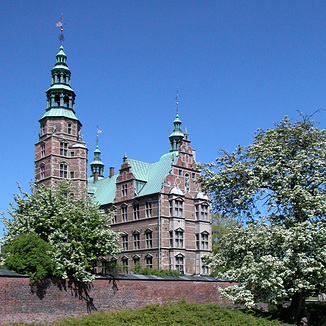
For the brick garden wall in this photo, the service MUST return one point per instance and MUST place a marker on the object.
(53, 299)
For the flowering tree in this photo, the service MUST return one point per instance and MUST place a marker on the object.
(69, 221)
(277, 186)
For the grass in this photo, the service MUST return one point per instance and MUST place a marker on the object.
(182, 313)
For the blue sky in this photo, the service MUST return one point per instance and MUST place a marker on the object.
(238, 66)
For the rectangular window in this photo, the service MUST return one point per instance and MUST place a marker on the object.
(179, 264)
(178, 208)
(125, 264)
(42, 128)
(149, 239)
(124, 190)
(180, 172)
(197, 241)
(124, 213)
(124, 238)
(72, 175)
(63, 171)
(149, 212)
(42, 150)
(149, 261)
(178, 239)
(69, 128)
(204, 212)
(204, 268)
(136, 260)
(136, 211)
(204, 241)
(136, 241)
(42, 172)
(171, 238)
(72, 154)
(63, 148)
(104, 267)
(193, 175)
(197, 212)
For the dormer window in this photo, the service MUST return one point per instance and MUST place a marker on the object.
(124, 190)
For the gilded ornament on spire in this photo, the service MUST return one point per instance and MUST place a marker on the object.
(97, 132)
(60, 24)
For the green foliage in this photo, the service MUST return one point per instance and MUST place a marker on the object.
(30, 254)
(151, 271)
(221, 226)
(183, 313)
(283, 254)
(69, 221)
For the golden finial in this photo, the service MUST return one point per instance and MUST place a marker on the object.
(97, 132)
(60, 24)
(176, 98)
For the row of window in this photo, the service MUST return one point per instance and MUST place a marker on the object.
(63, 150)
(63, 171)
(176, 240)
(69, 128)
(179, 264)
(136, 212)
(136, 240)
(176, 210)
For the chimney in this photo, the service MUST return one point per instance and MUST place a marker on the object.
(95, 176)
(111, 171)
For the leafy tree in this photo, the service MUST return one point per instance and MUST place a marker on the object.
(30, 254)
(282, 254)
(221, 226)
(69, 221)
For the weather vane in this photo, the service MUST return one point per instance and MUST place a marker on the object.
(176, 98)
(60, 24)
(98, 132)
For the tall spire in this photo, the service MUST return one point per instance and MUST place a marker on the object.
(177, 134)
(60, 96)
(97, 166)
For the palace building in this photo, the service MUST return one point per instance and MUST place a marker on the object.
(159, 207)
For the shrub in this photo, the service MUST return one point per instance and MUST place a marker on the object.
(28, 253)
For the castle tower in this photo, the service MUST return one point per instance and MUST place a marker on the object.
(60, 152)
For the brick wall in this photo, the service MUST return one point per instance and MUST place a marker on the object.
(53, 299)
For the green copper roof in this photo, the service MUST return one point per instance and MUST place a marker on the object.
(103, 189)
(149, 178)
(176, 135)
(55, 113)
(60, 87)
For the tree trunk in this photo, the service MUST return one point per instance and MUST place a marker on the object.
(298, 313)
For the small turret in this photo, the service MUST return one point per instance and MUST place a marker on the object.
(177, 134)
(97, 166)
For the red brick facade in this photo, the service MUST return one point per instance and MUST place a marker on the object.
(56, 299)
(60, 152)
(168, 229)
